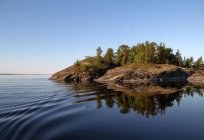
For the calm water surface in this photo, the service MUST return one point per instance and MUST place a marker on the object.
(34, 108)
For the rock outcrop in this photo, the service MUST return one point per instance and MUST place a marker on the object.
(146, 73)
(197, 78)
(69, 75)
(132, 73)
(85, 72)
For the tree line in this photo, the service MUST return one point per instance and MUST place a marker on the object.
(148, 52)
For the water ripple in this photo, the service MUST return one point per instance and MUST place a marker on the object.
(34, 108)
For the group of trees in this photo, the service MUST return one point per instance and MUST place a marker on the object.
(148, 52)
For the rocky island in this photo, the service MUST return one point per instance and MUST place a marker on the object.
(145, 63)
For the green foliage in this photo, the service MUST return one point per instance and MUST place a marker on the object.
(130, 58)
(122, 55)
(84, 67)
(199, 63)
(160, 54)
(169, 56)
(148, 52)
(178, 59)
(109, 56)
(77, 66)
(164, 55)
(188, 63)
(99, 58)
(139, 51)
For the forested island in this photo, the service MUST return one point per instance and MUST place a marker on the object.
(147, 62)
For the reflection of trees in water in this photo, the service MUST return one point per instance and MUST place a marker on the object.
(143, 105)
(156, 104)
(192, 90)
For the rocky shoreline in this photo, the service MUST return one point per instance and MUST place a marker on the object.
(197, 78)
(146, 73)
(132, 73)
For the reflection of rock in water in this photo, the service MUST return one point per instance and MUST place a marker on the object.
(192, 90)
(143, 89)
(147, 105)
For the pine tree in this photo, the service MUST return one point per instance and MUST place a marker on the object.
(122, 55)
(178, 59)
(188, 63)
(130, 58)
(199, 62)
(77, 66)
(160, 56)
(169, 56)
(152, 49)
(109, 56)
(99, 58)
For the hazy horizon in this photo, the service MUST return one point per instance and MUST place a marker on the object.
(42, 37)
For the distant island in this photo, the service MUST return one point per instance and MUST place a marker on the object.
(145, 63)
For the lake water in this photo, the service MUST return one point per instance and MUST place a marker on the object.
(35, 108)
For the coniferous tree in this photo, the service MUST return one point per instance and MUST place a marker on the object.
(109, 56)
(122, 55)
(199, 62)
(148, 52)
(160, 56)
(77, 66)
(184, 61)
(191, 61)
(139, 51)
(152, 49)
(188, 63)
(178, 59)
(130, 58)
(169, 56)
(99, 58)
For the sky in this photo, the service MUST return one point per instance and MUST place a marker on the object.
(44, 36)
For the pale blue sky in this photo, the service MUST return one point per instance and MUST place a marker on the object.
(44, 36)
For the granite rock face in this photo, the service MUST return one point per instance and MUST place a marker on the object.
(87, 76)
(146, 73)
(87, 72)
(197, 78)
(132, 73)
(173, 76)
(68, 75)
